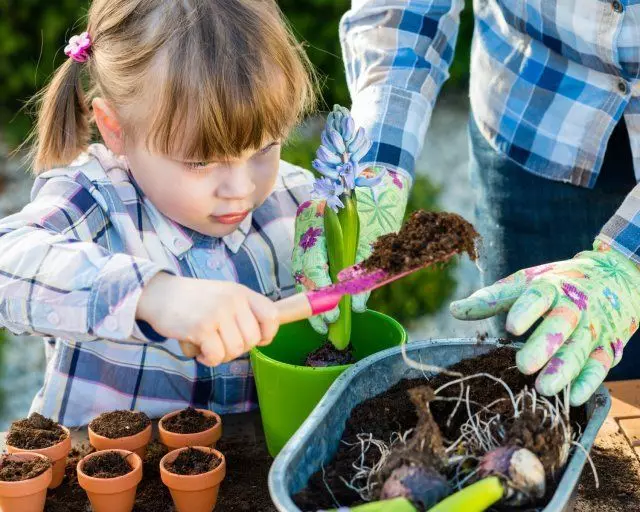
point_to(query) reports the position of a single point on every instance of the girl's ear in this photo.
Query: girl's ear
(109, 126)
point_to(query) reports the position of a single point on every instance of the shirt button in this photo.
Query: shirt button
(53, 318)
(110, 323)
(179, 244)
(623, 87)
(617, 6)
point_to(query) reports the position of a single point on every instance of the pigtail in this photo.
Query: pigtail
(62, 127)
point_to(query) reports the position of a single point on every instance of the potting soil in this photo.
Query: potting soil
(393, 412)
(35, 432)
(328, 355)
(425, 237)
(117, 424)
(16, 470)
(106, 465)
(189, 421)
(193, 462)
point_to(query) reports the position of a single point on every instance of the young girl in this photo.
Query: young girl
(178, 227)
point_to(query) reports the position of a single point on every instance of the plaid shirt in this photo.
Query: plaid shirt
(74, 261)
(549, 81)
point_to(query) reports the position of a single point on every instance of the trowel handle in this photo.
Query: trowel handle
(476, 497)
(294, 308)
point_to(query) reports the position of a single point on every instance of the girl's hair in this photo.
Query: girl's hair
(208, 79)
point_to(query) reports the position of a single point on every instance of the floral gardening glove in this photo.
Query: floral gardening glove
(380, 210)
(590, 305)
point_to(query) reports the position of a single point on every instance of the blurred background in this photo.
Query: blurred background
(32, 36)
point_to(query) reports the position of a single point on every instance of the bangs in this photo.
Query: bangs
(233, 80)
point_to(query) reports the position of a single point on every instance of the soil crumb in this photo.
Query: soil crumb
(189, 421)
(12, 470)
(35, 432)
(328, 355)
(106, 465)
(117, 424)
(193, 462)
(426, 237)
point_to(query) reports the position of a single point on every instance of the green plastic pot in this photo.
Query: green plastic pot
(287, 391)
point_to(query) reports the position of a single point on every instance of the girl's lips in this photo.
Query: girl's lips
(231, 218)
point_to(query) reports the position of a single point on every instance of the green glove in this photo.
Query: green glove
(590, 305)
(380, 210)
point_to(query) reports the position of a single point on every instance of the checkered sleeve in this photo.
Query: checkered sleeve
(397, 54)
(622, 232)
(56, 276)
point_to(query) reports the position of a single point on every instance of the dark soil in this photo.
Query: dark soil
(117, 424)
(189, 421)
(193, 462)
(328, 355)
(426, 237)
(393, 411)
(107, 465)
(35, 432)
(16, 470)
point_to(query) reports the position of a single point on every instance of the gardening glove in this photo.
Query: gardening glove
(380, 210)
(590, 305)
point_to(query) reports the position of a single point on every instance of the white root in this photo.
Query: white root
(418, 365)
(593, 466)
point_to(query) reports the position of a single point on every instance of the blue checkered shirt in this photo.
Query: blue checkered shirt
(549, 81)
(74, 261)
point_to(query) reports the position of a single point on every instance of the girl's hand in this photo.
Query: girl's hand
(223, 319)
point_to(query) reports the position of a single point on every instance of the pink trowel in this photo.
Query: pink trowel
(351, 281)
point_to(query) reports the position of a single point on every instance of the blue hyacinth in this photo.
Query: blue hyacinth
(338, 158)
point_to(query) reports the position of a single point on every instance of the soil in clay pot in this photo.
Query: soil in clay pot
(35, 432)
(12, 470)
(395, 412)
(116, 424)
(107, 465)
(193, 462)
(189, 421)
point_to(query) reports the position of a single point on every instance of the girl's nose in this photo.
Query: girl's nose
(237, 183)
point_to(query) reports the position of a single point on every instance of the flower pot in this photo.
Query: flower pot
(136, 443)
(174, 440)
(193, 493)
(112, 494)
(287, 391)
(25, 495)
(56, 453)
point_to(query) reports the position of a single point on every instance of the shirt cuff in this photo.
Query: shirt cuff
(622, 232)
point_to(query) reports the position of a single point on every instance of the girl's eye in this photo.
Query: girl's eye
(268, 148)
(197, 166)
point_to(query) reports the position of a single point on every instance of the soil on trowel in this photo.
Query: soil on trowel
(189, 421)
(106, 465)
(328, 355)
(193, 462)
(393, 412)
(35, 432)
(117, 424)
(426, 237)
(12, 470)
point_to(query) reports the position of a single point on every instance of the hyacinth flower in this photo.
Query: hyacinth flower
(338, 163)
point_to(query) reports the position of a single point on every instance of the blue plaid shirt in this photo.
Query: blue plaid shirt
(74, 261)
(549, 81)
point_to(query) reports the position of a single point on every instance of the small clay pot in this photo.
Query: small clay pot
(116, 494)
(173, 440)
(25, 495)
(56, 453)
(135, 443)
(193, 493)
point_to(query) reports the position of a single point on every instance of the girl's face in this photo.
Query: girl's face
(212, 198)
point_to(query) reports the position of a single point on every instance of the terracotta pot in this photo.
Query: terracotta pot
(112, 494)
(135, 443)
(25, 495)
(173, 440)
(56, 453)
(193, 493)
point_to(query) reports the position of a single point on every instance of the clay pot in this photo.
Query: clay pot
(173, 440)
(135, 443)
(112, 494)
(25, 495)
(193, 493)
(56, 453)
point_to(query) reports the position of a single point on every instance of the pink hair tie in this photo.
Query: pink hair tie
(79, 47)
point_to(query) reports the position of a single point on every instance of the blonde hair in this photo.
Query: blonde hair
(219, 76)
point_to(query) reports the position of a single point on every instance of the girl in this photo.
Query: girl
(179, 226)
